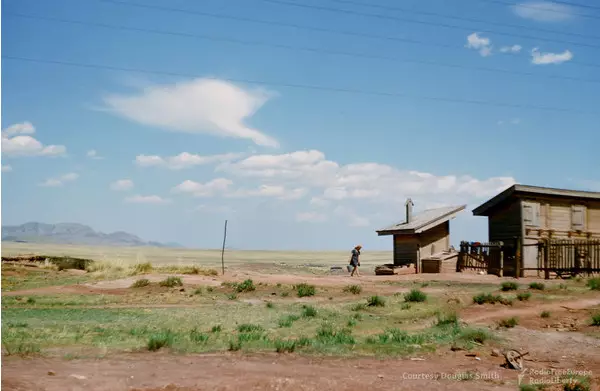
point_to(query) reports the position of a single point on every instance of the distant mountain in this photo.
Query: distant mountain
(73, 233)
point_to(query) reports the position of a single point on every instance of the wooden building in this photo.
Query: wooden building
(526, 215)
(421, 236)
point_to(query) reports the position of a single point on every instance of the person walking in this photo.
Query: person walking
(355, 260)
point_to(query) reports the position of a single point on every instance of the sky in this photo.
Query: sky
(305, 124)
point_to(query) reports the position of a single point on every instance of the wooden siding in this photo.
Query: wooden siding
(505, 224)
(406, 249)
(593, 218)
(435, 240)
(560, 217)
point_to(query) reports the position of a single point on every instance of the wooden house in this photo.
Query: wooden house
(421, 236)
(525, 215)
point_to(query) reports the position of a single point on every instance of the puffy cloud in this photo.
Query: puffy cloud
(149, 199)
(539, 58)
(208, 189)
(352, 218)
(201, 105)
(275, 191)
(6, 168)
(61, 180)
(311, 217)
(16, 142)
(93, 154)
(482, 44)
(543, 11)
(511, 49)
(183, 160)
(122, 184)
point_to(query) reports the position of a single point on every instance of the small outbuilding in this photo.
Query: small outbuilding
(425, 235)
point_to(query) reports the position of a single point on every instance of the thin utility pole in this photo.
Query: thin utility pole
(223, 250)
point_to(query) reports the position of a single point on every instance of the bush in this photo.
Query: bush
(305, 290)
(198, 291)
(171, 282)
(537, 285)
(140, 268)
(249, 328)
(474, 335)
(246, 286)
(376, 301)
(415, 296)
(354, 289)
(270, 304)
(483, 298)
(282, 346)
(524, 296)
(217, 329)
(327, 335)
(232, 296)
(160, 340)
(287, 321)
(508, 323)
(309, 311)
(596, 320)
(210, 289)
(30, 300)
(509, 286)
(594, 284)
(285, 294)
(351, 323)
(234, 345)
(447, 319)
(545, 314)
(141, 283)
(197, 336)
(405, 306)
(578, 383)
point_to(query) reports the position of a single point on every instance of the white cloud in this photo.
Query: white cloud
(482, 44)
(15, 142)
(122, 184)
(319, 202)
(197, 106)
(208, 189)
(183, 160)
(352, 218)
(217, 209)
(275, 191)
(543, 11)
(150, 199)
(93, 154)
(311, 217)
(61, 180)
(511, 49)
(539, 58)
(6, 168)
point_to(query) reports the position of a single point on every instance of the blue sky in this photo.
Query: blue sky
(170, 155)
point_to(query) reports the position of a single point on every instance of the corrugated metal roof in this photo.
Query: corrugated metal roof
(483, 209)
(425, 218)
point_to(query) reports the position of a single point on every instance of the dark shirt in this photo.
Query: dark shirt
(354, 259)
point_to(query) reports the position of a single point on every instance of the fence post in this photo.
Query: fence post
(546, 261)
(501, 259)
(517, 257)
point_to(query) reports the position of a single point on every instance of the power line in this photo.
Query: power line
(530, 6)
(301, 27)
(576, 4)
(303, 86)
(461, 18)
(397, 18)
(302, 48)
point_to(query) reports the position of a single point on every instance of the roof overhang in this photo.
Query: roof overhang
(427, 225)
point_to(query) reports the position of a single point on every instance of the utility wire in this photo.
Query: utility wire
(301, 48)
(461, 18)
(303, 86)
(538, 8)
(400, 19)
(301, 27)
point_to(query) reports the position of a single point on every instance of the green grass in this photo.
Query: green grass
(246, 286)
(594, 284)
(509, 286)
(359, 307)
(537, 286)
(198, 291)
(376, 301)
(160, 340)
(354, 289)
(171, 282)
(248, 328)
(304, 290)
(545, 314)
(216, 329)
(524, 296)
(141, 268)
(270, 304)
(531, 387)
(327, 334)
(508, 323)
(596, 319)
(576, 383)
(141, 283)
(232, 296)
(415, 296)
(309, 311)
(197, 336)
(488, 298)
(288, 321)
(444, 319)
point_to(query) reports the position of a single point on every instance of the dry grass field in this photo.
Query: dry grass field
(160, 319)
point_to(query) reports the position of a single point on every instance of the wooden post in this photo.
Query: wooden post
(501, 259)
(518, 260)
(223, 249)
(546, 261)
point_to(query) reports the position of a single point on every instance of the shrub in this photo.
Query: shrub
(234, 345)
(537, 285)
(197, 336)
(171, 282)
(198, 291)
(30, 300)
(578, 383)
(509, 286)
(596, 320)
(270, 304)
(447, 319)
(327, 335)
(562, 286)
(483, 298)
(249, 328)
(285, 294)
(217, 329)
(303, 341)
(21, 348)
(354, 289)
(415, 296)
(210, 289)
(351, 323)
(524, 296)
(405, 306)
(140, 268)
(160, 340)
(232, 296)
(287, 321)
(594, 283)
(253, 336)
(545, 314)
(474, 335)
(246, 286)
(508, 323)
(305, 290)
(309, 311)
(141, 283)
(376, 301)
(282, 346)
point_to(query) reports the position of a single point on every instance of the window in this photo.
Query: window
(578, 217)
(531, 214)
